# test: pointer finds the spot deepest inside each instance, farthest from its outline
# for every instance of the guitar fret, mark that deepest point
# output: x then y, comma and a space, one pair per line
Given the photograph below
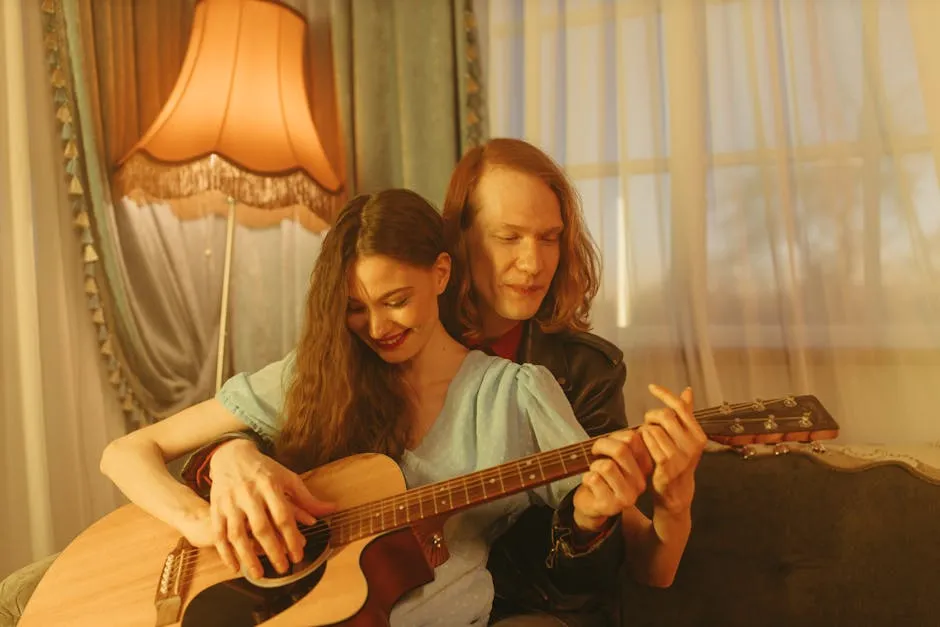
414, 508
455, 491
478, 492
532, 477
549, 468
466, 490
584, 453
400, 507
538, 460
444, 490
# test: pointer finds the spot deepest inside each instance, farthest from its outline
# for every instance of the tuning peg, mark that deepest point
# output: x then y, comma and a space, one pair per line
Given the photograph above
758, 405
789, 401
770, 423
746, 451
818, 447
725, 408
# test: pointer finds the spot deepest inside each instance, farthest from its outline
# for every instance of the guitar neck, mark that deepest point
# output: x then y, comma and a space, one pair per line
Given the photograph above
451, 495
758, 421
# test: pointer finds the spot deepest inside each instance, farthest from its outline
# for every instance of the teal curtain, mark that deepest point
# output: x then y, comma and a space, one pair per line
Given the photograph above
398, 79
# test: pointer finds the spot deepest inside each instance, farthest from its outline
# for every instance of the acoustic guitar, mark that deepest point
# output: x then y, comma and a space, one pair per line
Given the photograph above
130, 569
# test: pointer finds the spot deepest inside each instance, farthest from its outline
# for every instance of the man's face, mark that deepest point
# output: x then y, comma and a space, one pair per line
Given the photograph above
514, 246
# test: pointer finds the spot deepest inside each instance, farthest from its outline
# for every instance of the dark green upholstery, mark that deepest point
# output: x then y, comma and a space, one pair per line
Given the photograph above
787, 540
16, 589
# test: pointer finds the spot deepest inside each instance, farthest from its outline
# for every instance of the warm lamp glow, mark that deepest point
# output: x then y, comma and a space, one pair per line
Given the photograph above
237, 122
238, 118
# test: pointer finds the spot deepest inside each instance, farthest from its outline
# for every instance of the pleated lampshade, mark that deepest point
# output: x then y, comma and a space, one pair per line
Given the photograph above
238, 119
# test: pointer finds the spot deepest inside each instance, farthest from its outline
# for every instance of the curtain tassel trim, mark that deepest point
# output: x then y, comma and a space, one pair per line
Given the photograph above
55, 43
473, 80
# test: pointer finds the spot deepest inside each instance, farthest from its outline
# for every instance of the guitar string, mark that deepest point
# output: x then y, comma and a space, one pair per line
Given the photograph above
420, 496
425, 493
367, 512
184, 577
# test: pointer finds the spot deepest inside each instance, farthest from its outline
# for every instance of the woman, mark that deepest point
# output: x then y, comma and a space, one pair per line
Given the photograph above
389, 380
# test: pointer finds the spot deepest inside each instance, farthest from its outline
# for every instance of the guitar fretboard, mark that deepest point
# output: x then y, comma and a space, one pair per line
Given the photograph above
455, 494
536, 470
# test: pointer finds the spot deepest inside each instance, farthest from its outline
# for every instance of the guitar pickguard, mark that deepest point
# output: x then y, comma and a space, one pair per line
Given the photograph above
392, 564
241, 603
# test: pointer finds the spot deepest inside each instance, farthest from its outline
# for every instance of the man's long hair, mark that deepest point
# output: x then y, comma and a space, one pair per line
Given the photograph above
568, 301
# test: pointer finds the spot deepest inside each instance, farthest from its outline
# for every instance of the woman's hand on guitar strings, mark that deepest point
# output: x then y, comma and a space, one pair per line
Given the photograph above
613, 482
257, 502
675, 441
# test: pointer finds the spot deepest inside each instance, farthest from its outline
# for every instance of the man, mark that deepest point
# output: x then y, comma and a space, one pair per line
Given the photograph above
525, 273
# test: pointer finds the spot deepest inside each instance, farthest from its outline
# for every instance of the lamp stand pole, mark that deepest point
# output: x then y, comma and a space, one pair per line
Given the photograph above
226, 279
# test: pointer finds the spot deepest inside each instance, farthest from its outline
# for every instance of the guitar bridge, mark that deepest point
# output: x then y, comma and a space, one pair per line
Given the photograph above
174, 581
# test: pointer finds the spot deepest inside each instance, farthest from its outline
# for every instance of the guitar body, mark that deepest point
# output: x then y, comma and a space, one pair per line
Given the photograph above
110, 573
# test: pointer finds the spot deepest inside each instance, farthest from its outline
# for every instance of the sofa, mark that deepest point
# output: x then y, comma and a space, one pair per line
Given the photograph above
846, 537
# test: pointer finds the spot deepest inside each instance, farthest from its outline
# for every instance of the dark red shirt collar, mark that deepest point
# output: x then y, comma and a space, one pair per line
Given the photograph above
505, 346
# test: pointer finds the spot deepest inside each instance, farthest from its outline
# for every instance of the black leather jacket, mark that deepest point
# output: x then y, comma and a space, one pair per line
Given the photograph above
578, 588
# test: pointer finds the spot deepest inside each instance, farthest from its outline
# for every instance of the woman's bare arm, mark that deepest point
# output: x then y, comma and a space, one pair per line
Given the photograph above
137, 464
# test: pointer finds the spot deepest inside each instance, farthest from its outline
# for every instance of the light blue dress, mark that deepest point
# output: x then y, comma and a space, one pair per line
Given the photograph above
495, 411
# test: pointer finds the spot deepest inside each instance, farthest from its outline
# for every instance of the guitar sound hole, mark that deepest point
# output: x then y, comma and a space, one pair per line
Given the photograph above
318, 539
239, 603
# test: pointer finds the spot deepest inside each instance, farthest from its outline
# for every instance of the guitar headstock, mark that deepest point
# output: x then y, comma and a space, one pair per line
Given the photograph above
786, 419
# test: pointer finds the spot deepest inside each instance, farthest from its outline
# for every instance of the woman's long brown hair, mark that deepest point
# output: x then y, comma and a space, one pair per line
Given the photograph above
574, 286
344, 399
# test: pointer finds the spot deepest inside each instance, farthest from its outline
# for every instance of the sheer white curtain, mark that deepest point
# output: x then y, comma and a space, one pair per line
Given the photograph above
761, 177
173, 261
57, 411
270, 278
